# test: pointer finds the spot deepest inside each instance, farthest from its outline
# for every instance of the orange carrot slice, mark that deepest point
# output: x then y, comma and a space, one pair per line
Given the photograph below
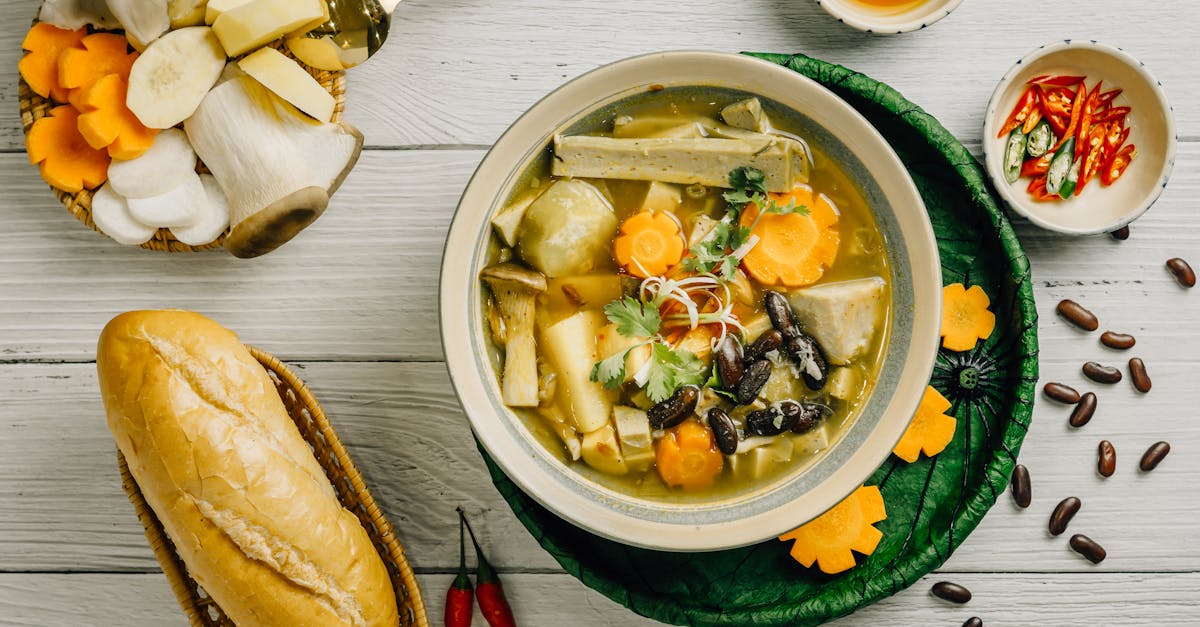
794, 249
830, 539
108, 123
688, 457
65, 158
649, 244
931, 430
102, 54
965, 317
39, 67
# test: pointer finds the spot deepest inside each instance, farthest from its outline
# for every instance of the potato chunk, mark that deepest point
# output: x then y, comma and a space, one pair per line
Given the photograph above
568, 230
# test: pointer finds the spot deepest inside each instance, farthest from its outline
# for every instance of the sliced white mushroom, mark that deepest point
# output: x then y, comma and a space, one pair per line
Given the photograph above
169, 163
111, 214
181, 206
214, 219
514, 295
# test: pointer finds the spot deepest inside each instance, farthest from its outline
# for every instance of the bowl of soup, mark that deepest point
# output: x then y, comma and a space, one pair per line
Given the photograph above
690, 301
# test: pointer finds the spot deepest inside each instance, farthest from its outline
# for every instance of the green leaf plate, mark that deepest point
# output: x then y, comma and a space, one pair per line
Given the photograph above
932, 504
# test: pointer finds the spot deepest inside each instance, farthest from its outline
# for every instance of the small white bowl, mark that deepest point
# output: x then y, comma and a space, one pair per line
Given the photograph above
1098, 209
885, 21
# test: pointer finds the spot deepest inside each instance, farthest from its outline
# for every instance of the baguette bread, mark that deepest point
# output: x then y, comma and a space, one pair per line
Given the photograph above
233, 483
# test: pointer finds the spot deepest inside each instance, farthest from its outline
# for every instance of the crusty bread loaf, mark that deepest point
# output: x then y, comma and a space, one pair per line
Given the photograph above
235, 486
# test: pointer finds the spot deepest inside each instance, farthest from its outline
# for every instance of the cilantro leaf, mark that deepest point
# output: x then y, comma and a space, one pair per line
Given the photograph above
633, 317
671, 370
748, 180
611, 371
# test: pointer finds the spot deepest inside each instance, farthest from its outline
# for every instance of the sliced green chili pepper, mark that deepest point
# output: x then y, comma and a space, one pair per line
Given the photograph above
1040, 139
1060, 166
1014, 155
1068, 186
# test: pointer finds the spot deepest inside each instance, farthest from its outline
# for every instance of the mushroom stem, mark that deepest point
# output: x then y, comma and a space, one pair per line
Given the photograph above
514, 292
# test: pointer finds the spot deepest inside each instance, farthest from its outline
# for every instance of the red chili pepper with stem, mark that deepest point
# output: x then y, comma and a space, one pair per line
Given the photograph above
460, 599
1057, 81
492, 604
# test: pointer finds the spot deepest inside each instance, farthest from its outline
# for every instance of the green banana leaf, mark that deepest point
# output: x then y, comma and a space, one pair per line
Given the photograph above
932, 504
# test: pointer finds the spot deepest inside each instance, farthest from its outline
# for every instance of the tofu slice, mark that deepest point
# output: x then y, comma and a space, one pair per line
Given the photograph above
646, 195
633, 432
746, 114
843, 317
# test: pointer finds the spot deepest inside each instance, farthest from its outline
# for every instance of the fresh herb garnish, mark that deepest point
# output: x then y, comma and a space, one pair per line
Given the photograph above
611, 371
670, 370
633, 317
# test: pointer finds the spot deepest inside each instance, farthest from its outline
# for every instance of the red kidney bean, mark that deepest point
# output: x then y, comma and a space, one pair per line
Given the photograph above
1088, 548
730, 365
1077, 315
1182, 272
770, 421
808, 415
1119, 341
771, 340
752, 381
1061, 393
1062, 515
1121, 234
974, 621
1106, 459
1101, 373
780, 313
1137, 372
724, 431
952, 592
1083, 412
1154, 456
1022, 492
675, 409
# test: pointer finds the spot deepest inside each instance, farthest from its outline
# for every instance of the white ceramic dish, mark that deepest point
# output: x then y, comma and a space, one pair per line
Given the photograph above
1098, 209
790, 500
888, 21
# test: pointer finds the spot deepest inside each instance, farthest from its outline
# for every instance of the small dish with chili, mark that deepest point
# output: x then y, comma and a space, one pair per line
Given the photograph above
1079, 138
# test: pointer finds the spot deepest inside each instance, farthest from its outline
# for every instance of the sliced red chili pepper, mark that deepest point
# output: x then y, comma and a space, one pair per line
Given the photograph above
1058, 123
1095, 154
1035, 114
1117, 165
1112, 140
1058, 81
1108, 115
1037, 189
1057, 101
1034, 168
1076, 113
1085, 122
1025, 104
1107, 97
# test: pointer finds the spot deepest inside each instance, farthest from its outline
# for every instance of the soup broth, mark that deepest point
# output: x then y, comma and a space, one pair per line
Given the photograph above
582, 288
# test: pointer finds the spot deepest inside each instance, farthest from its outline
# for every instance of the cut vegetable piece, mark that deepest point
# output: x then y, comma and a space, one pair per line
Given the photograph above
172, 76
558, 423
704, 161
570, 346
515, 289
930, 431
111, 214
276, 165
568, 230
609, 342
108, 123
760, 461
215, 8
509, 219
76, 14
213, 221
66, 160
39, 67
845, 383
100, 54
166, 165
602, 452
180, 207
830, 539
289, 81
251, 25
843, 317
315, 23
746, 114
633, 429
143, 20
793, 249
323, 53
649, 244
184, 13
965, 317
688, 458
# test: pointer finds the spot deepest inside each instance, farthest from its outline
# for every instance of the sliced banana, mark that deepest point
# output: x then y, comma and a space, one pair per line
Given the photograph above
166, 165
173, 75
212, 222
182, 206
111, 214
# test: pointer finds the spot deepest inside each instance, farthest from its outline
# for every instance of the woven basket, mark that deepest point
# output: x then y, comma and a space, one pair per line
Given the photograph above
35, 107
202, 610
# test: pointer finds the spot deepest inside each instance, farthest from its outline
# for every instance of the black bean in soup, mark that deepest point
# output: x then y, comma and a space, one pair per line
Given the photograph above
1182, 272
780, 313
1141, 378
1061, 393
771, 340
769, 422
676, 409
724, 431
1077, 315
1118, 341
752, 381
1062, 515
1106, 459
1084, 410
974, 621
1121, 234
1154, 456
1022, 491
952, 592
808, 415
1101, 373
1088, 548
730, 364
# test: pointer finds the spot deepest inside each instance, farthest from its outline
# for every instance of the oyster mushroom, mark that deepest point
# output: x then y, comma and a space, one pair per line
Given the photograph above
514, 294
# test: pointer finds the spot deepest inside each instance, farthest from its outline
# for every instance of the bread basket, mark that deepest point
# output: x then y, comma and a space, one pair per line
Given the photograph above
34, 107
310, 419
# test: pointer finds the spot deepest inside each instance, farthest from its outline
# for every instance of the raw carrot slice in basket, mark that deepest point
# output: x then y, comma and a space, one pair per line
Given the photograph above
39, 67
649, 244
831, 538
101, 54
107, 123
688, 457
931, 430
66, 160
794, 249
965, 317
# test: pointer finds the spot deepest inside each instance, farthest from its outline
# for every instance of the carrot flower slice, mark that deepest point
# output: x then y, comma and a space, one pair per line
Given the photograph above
830, 539
688, 457
39, 67
107, 123
101, 54
931, 430
965, 317
67, 161
793, 249
649, 244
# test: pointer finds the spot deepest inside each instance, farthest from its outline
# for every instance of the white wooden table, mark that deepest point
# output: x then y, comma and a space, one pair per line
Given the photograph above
351, 303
